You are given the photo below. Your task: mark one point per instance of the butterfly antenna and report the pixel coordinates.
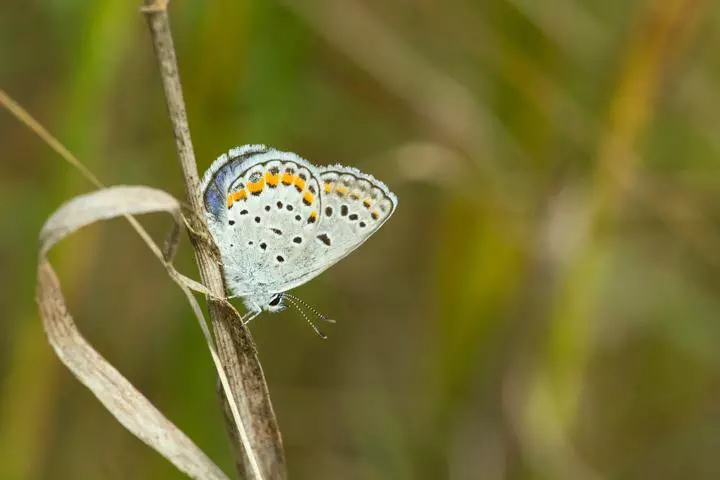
(310, 307)
(307, 319)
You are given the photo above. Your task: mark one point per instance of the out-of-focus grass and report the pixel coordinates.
(542, 305)
(650, 52)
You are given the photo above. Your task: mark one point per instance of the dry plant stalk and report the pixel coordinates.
(261, 453)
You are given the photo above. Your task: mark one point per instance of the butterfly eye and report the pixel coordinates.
(275, 301)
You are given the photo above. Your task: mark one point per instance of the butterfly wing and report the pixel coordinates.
(262, 207)
(279, 221)
(354, 205)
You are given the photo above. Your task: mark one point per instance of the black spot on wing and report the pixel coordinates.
(324, 239)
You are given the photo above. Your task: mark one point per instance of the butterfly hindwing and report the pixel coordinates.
(264, 226)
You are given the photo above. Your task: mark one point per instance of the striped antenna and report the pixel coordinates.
(307, 319)
(309, 307)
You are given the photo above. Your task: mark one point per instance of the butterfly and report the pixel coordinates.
(279, 221)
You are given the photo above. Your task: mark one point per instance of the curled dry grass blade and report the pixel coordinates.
(77, 213)
(124, 401)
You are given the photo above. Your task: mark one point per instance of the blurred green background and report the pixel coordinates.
(543, 305)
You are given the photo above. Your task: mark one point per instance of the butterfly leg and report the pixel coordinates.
(197, 232)
(250, 316)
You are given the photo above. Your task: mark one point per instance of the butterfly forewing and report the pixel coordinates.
(270, 210)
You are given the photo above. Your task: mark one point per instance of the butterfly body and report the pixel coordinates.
(279, 220)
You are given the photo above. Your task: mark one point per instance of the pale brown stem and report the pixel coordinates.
(261, 455)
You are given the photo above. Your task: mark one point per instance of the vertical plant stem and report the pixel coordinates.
(662, 29)
(257, 442)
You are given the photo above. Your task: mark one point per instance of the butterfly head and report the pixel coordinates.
(269, 302)
(276, 303)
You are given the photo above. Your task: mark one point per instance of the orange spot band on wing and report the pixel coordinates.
(341, 190)
(256, 187)
(308, 197)
(327, 187)
(367, 203)
(272, 179)
(287, 178)
(236, 196)
(299, 183)
(313, 217)
(375, 215)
